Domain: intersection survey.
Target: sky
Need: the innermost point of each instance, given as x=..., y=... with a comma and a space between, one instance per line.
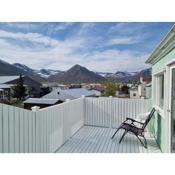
x=102, y=47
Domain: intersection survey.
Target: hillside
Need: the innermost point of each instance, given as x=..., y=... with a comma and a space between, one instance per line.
x=77, y=74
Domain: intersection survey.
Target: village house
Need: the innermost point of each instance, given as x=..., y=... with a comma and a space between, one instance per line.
x=33, y=88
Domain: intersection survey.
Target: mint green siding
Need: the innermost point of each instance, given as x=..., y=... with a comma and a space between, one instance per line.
x=158, y=125
x=160, y=65
x=157, y=129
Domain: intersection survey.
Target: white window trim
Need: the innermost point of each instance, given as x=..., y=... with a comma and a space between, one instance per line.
x=156, y=90
x=169, y=68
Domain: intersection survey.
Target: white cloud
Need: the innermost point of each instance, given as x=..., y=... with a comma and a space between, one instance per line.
x=37, y=56
x=123, y=41
x=107, y=61
x=22, y=25
x=127, y=28
x=61, y=55
x=62, y=26
x=84, y=28
x=32, y=37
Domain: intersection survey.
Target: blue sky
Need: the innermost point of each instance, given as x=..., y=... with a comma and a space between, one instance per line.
x=105, y=47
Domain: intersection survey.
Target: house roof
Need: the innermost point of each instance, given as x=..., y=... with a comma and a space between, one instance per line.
x=95, y=91
x=164, y=47
x=5, y=86
x=133, y=89
x=69, y=94
x=41, y=101
x=4, y=79
x=78, y=92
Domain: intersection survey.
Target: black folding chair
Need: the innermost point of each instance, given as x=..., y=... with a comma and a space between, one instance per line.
x=129, y=126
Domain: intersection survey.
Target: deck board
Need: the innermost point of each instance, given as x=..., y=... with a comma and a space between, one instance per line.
x=91, y=139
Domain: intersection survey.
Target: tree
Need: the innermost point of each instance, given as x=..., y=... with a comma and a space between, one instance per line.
x=19, y=91
x=125, y=89
x=111, y=89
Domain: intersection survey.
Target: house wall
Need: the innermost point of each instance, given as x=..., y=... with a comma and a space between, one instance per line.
x=160, y=65
x=157, y=129
x=148, y=92
x=141, y=90
x=158, y=126
x=131, y=94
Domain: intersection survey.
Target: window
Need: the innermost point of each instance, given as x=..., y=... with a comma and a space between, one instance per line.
x=159, y=90
x=134, y=94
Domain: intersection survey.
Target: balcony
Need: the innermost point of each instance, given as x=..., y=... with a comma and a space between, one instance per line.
x=91, y=139
x=84, y=125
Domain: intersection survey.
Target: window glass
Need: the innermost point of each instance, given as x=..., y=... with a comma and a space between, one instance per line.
x=159, y=90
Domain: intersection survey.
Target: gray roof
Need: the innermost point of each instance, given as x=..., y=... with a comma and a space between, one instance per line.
x=4, y=79
x=41, y=101
x=69, y=94
x=133, y=89
x=61, y=96
x=6, y=86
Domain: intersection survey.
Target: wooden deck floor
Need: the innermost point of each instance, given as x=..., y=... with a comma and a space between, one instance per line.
x=98, y=140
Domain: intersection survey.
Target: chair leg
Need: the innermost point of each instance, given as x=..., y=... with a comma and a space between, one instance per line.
x=123, y=136
x=146, y=146
x=115, y=132
x=143, y=144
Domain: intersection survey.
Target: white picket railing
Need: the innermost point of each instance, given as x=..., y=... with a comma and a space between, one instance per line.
x=57, y=124
x=17, y=129
x=110, y=111
x=45, y=130
x=24, y=131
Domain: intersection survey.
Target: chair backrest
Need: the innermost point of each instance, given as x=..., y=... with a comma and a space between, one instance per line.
x=148, y=118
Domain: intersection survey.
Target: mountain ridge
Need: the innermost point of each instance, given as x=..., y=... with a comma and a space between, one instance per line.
x=76, y=74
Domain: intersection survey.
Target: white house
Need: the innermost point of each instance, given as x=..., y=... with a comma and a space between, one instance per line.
x=133, y=93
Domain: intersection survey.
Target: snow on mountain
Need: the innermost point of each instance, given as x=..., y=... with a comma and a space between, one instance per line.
x=45, y=73
x=118, y=74
x=104, y=74
x=23, y=67
x=124, y=74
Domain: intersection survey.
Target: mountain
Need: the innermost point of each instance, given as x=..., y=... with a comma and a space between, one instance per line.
x=8, y=69
x=121, y=74
x=30, y=72
x=77, y=74
x=46, y=73
x=118, y=74
x=105, y=74
x=126, y=77
x=24, y=68
x=135, y=77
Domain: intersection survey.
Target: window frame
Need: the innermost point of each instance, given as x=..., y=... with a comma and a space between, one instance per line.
x=156, y=94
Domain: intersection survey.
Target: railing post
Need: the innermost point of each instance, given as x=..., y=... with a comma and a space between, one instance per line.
x=35, y=108
x=67, y=100
x=83, y=109
x=37, y=132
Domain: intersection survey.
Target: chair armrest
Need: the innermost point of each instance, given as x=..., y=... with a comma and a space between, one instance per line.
x=133, y=121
